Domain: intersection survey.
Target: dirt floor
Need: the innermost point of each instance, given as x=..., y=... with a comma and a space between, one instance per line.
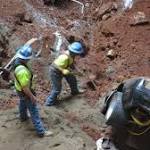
x=117, y=44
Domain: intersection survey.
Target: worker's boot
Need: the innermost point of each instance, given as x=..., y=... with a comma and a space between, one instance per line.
x=80, y=91
x=46, y=134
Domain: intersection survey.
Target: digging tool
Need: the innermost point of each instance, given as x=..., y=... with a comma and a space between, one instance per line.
x=79, y=73
x=82, y=9
x=91, y=80
x=60, y=41
x=9, y=65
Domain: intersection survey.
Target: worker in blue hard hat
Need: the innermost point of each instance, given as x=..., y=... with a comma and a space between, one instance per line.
x=23, y=84
x=61, y=68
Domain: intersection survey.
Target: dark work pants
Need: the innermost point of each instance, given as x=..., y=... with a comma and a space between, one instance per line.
x=56, y=83
x=26, y=103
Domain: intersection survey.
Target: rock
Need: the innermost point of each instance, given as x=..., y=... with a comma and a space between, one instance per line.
x=105, y=9
x=110, y=70
x=4, y=40
x=103, y=46
x=3, y=53
x=119, y=45
x=133, y=46
x=23, y=17
x=87, y=5
x=19, y=18
x=111, y=54
x=28, y=18
x=91, y=85
x=107, y=32
x=120, y=78
x=106, y=16
x=139, y=19
x=115, y=41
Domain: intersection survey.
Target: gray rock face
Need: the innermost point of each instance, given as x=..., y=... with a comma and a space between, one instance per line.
x=139, y=19
x=4, y=40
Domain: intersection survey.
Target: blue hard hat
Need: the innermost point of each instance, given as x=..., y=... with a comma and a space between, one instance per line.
x=76, y=48
x=25, y=52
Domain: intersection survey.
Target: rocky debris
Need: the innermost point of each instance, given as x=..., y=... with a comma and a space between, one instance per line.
x=91, y=85
x=139, y=19
x=106, y=46
x=110, y=70
x=2, y=54
x=23, y=18
x=80, y=29
x=4, y=40
x=107, y=32
x=106, y=16
x=111, y=54
x=104, y=11
x=8, y=40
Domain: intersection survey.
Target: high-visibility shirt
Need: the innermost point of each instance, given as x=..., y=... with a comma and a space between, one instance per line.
x=63, y=61
x=24, y=77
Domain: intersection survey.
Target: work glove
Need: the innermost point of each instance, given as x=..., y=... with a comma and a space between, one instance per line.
x=4, y=74
x=65, y=71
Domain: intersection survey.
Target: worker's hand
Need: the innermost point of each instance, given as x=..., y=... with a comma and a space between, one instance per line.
x=29, y=94
x=33, y=100
x=65, y=71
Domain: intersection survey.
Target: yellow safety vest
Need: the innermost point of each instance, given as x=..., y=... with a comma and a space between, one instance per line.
x=24, y=77
x=63, y=61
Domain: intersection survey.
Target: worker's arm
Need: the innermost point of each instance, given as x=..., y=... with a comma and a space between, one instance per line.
x=64, y=71
x=29, y=94
x=67, y=72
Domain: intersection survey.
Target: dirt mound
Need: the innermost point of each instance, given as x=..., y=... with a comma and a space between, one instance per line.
x=67, y=127
x=129, y=44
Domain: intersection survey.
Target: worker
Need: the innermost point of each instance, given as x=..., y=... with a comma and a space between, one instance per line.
x=127, y=113
x=61, y=67
x=23, y=84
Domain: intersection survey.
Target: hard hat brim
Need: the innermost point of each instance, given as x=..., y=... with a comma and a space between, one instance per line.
x=75, y=51
x=22, y=57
